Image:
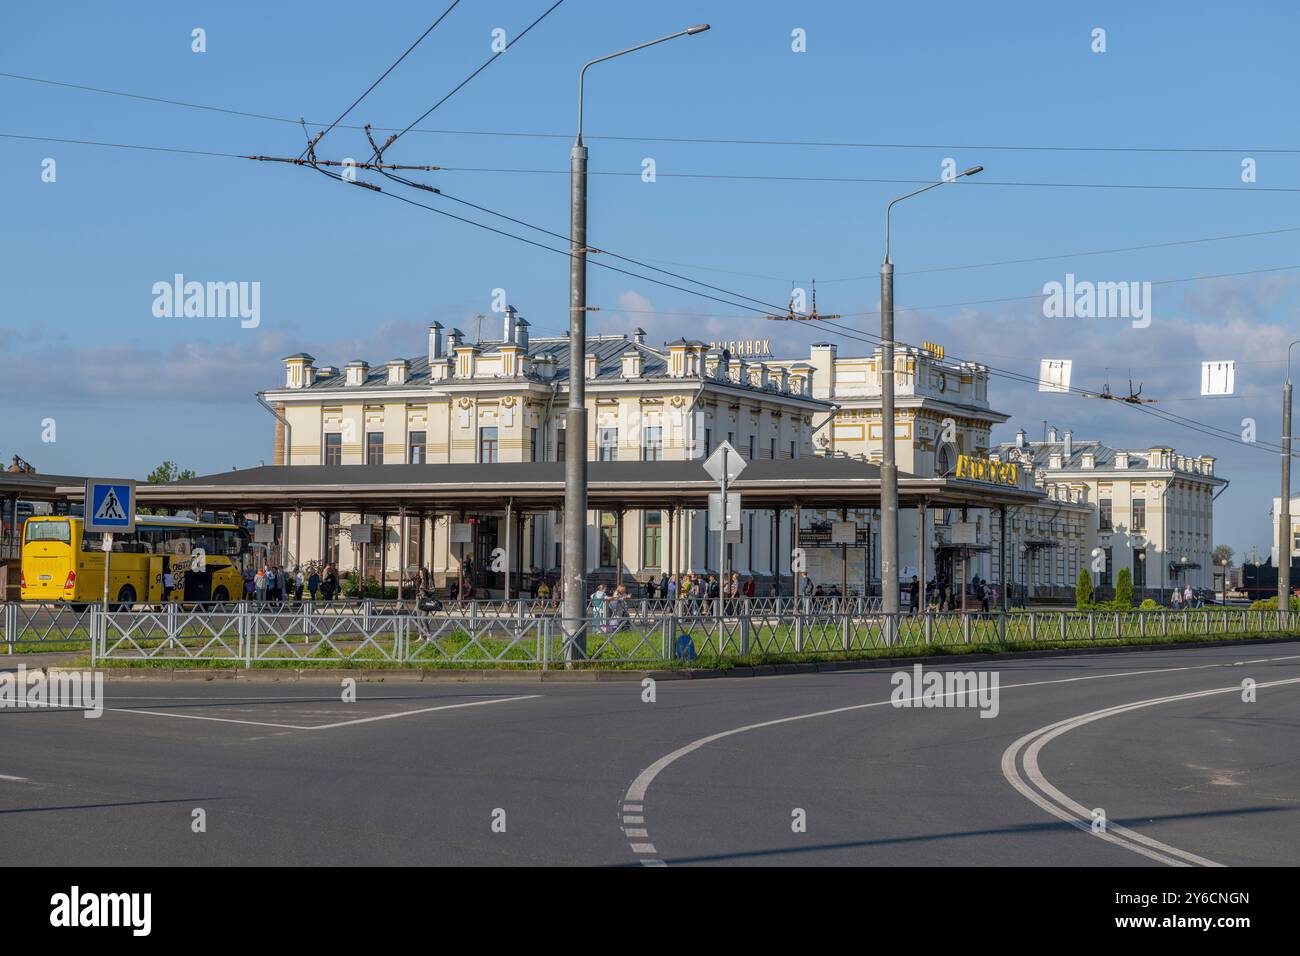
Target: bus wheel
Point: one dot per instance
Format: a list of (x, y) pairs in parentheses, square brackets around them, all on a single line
[(125, 598), (221, 595)]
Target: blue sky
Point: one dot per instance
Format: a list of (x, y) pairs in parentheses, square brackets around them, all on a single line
[(349, 274)]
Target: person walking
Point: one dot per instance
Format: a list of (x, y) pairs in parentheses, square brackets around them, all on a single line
[(1176, 599), (1188, 597), (260, 584), (299, 582), (313, 581), (598, 607), (914, 593)]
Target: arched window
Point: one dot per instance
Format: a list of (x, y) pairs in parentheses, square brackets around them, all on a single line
[(943, 461)]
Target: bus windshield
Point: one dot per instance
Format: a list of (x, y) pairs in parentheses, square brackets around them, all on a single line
[(48, 531)]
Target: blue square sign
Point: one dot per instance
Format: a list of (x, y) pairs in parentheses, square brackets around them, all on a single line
[(110, 504)]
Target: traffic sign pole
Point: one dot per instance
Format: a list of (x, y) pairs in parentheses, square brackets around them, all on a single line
[(722, 533), (108, 557)]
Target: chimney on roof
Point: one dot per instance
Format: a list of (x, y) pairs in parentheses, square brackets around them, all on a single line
[(1051, 434), (435, 342), (1020, 438), (638, 336), (521, 332), (508, 334), (454, 339), (357, 372), (1069, 443)]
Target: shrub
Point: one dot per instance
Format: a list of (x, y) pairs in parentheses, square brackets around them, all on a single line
[(1124, 590), (1083, 590), (1148, 605), (1270, 604)]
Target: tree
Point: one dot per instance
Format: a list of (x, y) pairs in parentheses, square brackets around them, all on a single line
[(1083, 589), (1222, 555), (164, 474), (1124, 589), (169, 471)]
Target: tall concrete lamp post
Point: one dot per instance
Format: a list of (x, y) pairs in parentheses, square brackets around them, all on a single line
[(575, 452), (888, 465)]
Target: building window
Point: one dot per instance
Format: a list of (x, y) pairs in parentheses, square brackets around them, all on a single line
[(559, 444), (753, 446), (771, 449), (1103, 514), (333, 448), (708, 442), (794, 452), (374, 448), (414, 542), (487, 444), (415, 448), (1105, 580), (652, 447), (653, 535), (607, 444), (333, 527), (1139, 514), (1139, 567), (532, 444), (608, 539)]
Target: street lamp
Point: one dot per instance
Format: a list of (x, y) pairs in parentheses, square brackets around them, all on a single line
[(1284, 519), (888, 466), (575, 454)]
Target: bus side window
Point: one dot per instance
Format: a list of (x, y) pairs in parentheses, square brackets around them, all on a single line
[(92, 541)]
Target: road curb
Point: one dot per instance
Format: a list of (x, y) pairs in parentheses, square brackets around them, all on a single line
[(439, 675)]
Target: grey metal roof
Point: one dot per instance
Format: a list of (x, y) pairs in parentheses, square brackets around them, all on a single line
[(607, 349), (812, 468)]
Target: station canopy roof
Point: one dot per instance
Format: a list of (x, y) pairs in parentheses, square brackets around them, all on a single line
[(817, 482)]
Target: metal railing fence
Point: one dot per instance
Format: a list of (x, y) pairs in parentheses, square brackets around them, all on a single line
[(638, 632)]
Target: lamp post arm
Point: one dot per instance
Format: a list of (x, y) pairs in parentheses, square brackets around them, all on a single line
[(916, 192), (632, 49)]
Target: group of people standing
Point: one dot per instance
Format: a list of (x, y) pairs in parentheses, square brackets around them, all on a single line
[(274, 584), (942, 596)]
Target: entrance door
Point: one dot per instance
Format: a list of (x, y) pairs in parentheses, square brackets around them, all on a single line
[(485, 543)]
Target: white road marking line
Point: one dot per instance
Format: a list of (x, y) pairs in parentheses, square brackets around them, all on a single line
[(341, 723), (631, 808), (653, 863), (628, 819), (1074, 813), (637, 791), (424, 710), (5, 776), (644, 848), (279, 700), (222, 720), (635, 833)]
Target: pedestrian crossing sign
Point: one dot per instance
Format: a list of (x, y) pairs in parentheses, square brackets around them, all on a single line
[(110, 504)]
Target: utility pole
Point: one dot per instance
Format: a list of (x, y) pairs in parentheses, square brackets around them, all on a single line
[(574, 612), (888, 465), (1284, 519)]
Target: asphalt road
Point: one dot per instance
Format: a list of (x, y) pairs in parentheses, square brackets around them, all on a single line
[(588, 773)]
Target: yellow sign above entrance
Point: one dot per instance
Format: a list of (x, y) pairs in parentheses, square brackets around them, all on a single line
[(989, 470)]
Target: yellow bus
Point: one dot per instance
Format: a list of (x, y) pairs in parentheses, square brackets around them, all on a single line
[(64, 562)]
